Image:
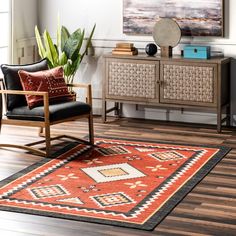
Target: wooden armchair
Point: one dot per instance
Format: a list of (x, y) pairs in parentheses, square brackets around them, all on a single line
[(18, 113)]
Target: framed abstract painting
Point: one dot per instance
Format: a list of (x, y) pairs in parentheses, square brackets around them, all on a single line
[(195, 17)]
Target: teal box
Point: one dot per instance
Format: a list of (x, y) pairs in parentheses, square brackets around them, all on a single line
[(198, 52)]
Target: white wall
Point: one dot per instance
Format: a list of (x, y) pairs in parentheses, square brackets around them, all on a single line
[(24, 19), (107, 14)]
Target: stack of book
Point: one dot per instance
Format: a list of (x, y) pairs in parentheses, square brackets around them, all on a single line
[(124, 49)]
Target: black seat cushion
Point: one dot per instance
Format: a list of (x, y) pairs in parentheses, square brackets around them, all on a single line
[(57, 112), (12, 80)]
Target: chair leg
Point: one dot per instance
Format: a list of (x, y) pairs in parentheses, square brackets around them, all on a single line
[(40, 132), (91, 130), (47, 140)]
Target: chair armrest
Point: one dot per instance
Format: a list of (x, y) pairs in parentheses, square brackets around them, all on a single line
[(44, 94), (20, 92), (88, 87)]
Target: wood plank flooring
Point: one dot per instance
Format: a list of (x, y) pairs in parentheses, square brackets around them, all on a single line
[(210, 208)]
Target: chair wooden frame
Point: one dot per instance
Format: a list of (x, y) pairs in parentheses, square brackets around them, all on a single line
[(45, 125)]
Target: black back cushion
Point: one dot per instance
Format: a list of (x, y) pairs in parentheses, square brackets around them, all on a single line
[(12, 80)]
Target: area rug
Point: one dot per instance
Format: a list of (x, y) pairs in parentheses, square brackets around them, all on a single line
[(116, 182)]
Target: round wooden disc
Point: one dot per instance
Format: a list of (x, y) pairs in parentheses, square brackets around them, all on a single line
[(166, 32)]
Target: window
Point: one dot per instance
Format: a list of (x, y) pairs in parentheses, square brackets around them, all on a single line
[(5, 38)]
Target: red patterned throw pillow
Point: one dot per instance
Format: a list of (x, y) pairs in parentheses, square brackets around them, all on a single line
[(51, 81)]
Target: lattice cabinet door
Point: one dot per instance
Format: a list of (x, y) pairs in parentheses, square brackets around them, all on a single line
[(134, 80), (188, 83)]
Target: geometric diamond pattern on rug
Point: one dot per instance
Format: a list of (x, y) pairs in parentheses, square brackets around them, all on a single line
[(112, 199), (167, 156), (74, 200), (115, 172), (115, 150), (48, 191)]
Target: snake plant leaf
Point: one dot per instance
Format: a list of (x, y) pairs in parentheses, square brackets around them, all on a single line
[(56, 49), (70, 69), (47, 47), (67, 69), (62, 59), (42, 51), (50, 65), (64, 37), (88, 42), (52, 53), (75, 65), (77, 52), (73, 42)]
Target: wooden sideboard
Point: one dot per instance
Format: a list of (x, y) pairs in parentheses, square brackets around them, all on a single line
[(168, 83)]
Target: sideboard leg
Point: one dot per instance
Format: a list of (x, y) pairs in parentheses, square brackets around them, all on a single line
[(218, 128), (120, 109), (117, 109), (228, 114), (104, 111), (219, 118)]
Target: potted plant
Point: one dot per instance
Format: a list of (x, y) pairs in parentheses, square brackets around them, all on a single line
[(67, 52)]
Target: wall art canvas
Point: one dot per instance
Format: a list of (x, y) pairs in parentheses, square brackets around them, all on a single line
[(195, 17)]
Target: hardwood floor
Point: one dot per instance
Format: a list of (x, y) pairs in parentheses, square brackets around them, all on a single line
[(210, 209)]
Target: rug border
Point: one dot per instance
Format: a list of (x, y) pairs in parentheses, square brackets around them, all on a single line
[(157, 218)]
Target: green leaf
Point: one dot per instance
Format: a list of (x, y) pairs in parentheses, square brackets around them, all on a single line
[(50, 65), (64, 36), (62, 59), (77, 63), (77, 52), (88, 41), (67, 68), (52, 54), (42, 51), (73, 43), (56, 48)]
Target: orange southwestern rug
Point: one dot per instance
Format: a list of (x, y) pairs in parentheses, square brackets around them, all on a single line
[(117, 182)]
